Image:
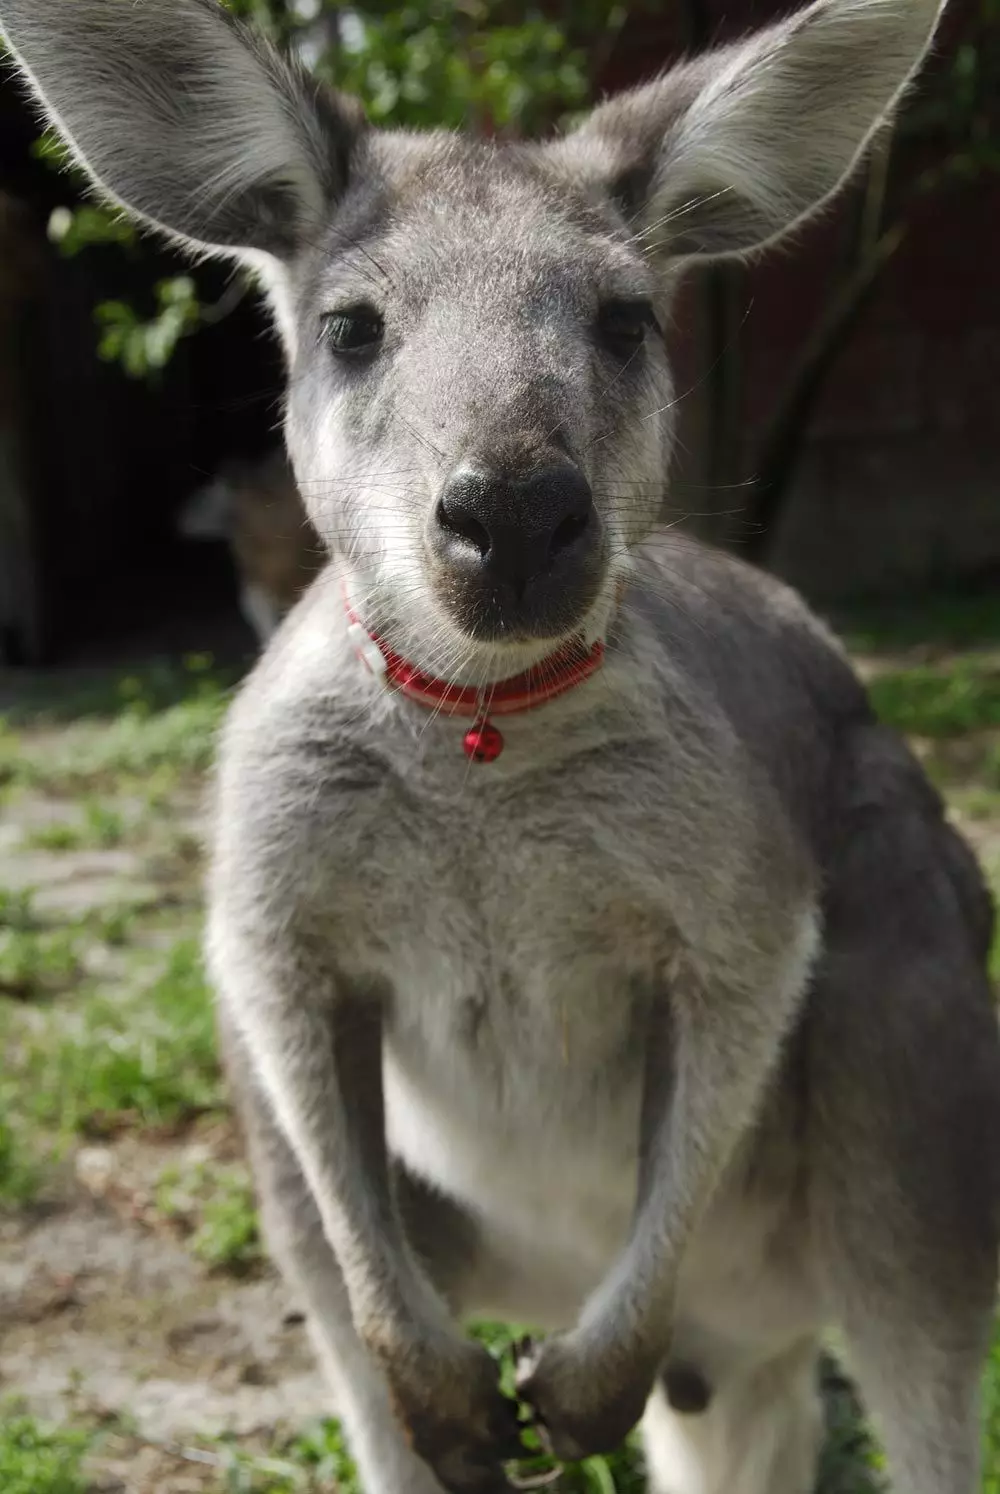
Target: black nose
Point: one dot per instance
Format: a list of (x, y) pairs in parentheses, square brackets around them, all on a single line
[(514, 529)]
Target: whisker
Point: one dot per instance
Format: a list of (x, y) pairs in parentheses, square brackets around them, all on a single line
[(679, 211)]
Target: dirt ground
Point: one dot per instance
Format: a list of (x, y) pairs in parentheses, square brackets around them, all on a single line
[(106, 1314)]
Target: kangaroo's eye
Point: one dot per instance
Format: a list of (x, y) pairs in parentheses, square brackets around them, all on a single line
[(623, 325), (354, 330)]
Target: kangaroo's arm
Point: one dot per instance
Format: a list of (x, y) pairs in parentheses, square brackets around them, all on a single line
[(710, 1055), (315, 1040)]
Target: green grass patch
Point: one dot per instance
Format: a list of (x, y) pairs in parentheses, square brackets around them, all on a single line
[(135, 745), (977, 803), (147, 1060), (35, 959), (945, 701), (20, 1172), (38, 1460), (157, 724), (216, 1206), (315, 1461), (100, 827), (40, 958), (991, 1422), (99, 695), (37, 962), (63, 835)]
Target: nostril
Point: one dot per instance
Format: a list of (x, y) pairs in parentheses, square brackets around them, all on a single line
[(572, 528), (464, 526)]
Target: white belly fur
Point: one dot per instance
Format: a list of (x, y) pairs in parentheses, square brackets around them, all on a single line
[(556, 1208)]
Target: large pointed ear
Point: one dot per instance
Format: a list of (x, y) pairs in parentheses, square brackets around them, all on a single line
[(186, 119), (730, 150)]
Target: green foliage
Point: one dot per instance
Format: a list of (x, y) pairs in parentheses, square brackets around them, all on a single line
[(76, 229), (143, 347), (103, 825), (616, 1473), (39, 1460), (446, 63)]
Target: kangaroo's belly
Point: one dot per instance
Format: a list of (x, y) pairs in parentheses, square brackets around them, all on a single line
[(514, 1085)]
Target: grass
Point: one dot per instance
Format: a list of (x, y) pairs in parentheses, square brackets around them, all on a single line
[(143, 1060), (40, 1460), (315, 1461), (135, 744), (940, 701), (101, 695), (153, 726), (20, 1174), (35, 960), (215, 1207), (150, 1060), (100, 826), (39, 957), (991, 1423)]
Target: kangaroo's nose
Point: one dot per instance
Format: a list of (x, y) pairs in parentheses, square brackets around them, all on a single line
[(515, 529)]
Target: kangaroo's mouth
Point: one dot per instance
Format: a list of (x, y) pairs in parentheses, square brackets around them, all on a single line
[(490, 617), (550, 606)]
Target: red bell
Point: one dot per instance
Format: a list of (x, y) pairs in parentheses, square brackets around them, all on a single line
[(483, 743)]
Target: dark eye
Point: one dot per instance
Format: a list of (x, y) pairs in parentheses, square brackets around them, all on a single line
[(623, 325), (356, 329)]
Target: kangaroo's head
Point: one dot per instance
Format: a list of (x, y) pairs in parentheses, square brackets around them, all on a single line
[(480, 396)]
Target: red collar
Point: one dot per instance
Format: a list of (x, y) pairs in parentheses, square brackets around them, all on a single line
[(561, 671)]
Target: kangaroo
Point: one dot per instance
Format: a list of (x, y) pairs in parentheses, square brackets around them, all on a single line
[(586, 952), (256, 508)]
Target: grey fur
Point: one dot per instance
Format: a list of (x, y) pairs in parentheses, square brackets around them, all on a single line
[(670, 1030)]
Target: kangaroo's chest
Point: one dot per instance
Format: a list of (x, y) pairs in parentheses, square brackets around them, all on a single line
[(529, 944), (521, 962)]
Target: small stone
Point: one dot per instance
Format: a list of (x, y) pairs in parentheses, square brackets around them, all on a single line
[(95, 1168)]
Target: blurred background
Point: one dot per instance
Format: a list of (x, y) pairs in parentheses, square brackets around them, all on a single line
[(840, 410), (842, 397)]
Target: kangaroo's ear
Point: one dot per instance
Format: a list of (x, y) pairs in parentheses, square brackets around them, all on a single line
[(732, 149), (186, 119)]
